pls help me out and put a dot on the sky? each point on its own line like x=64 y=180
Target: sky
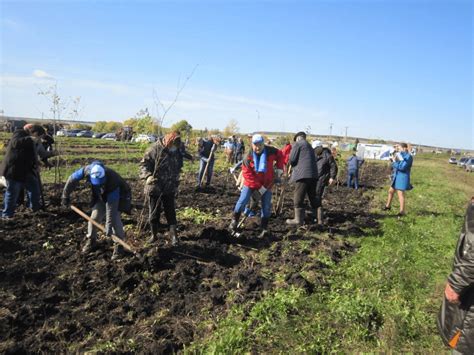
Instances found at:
x=396 y=70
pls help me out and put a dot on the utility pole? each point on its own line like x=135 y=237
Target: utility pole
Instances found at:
x=346 y=132
x=330 y=129
x=258 y=120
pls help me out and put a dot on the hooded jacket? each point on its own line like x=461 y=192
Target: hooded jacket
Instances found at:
x=456 y=321
x=20 y=157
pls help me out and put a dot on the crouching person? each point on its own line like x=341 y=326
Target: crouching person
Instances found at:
x=110 y=195
x=258 y=174
x=160 y=169
x=456 y=317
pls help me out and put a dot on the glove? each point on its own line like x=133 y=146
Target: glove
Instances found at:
x=231 y=170
x=150 y=180
x=149 y=188
x=205 y=160
x=257 y=194
x=66 y=202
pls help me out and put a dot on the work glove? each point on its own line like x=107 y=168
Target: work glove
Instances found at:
x=331 y=181
x=257 y=194
x=232 y=170
x=205 y=160
x=150 y=180
x=66 y=202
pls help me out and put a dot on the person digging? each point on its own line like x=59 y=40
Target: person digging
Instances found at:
x=110 y=195
x=160 y=168
x=258 y=174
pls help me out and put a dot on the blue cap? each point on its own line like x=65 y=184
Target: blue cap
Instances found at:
x=97 y=174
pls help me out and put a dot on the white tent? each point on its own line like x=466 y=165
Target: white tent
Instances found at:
x=374 y=151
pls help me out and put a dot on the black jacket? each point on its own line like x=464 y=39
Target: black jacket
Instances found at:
x=303 y=161
x=20 y=157
x=327 y=167
x=205 y=147
x=456 y=321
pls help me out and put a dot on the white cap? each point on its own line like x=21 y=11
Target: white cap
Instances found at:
x=257 y=138
x=316 y=144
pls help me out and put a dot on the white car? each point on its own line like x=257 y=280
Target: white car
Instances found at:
x=148 y=138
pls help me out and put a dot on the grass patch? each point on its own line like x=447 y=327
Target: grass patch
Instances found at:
x=383 y=298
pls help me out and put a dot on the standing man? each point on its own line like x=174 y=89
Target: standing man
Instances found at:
x=160 y=169
x=110 y=195
x=258 y=174
x=206 y=146
x=353 y=165
x=401 y=169
x=305 y=177
x=20 y=169
x=456 y=317
x=239 y=150
x=327 y=173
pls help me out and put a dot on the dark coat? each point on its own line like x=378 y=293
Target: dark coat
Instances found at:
x=164 y=165
x=205 y=147
x=327 y=167
x=303 y=161
x=114 y=188
x=457 y=320
x=20 y=157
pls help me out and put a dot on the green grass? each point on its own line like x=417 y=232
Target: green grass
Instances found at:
x=383 y=298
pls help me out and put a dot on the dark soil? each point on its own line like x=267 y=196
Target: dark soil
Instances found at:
x=55 y=299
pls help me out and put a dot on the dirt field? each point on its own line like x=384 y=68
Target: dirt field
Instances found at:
x=54 y=299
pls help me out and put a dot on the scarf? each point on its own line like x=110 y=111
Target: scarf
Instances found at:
x=260 y=161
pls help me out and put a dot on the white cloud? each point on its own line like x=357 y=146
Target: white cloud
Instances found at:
x=41 y=74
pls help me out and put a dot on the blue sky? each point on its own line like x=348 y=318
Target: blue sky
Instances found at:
x=398 y=70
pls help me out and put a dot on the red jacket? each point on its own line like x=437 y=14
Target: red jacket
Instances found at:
x=286 y=150
x=255 y=180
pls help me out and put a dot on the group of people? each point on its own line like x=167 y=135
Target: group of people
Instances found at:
x=310 y=167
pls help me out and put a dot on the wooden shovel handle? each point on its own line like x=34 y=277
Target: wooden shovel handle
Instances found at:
x=102 y=228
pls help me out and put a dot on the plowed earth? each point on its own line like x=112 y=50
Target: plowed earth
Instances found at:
x=55 y=299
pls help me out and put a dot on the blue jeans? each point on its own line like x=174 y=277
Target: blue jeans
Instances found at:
x=244 y=199
x=13 y=190
x=202 y=167
x=353 y=177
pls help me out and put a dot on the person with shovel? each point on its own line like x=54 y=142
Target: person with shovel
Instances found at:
x=110 y=195
x=258 y=173
x=206 y=149
x=160 y=168
x=327 y=173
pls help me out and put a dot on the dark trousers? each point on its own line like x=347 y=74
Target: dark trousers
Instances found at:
x=157 y=203
x=320 y=188
x=303 y=188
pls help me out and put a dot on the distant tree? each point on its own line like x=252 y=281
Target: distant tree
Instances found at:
x=182 y=126
x=99 y=126
x=112 y=126
x=82 y=126
x=231 y=129
x=214 y=132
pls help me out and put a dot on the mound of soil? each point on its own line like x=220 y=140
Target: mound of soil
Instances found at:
x=55 y=299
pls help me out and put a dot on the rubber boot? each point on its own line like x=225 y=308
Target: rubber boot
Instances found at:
x=264 y=227
x=118 y=252
x=154 y=233
x=299 y=218
x=235 y=221
x=174 y=237
x=89 y=246
x=319 y=216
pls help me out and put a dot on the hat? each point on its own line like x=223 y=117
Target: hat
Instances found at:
x=257 y=138
x=97 y=174
x=316 y=144
x=299 y=134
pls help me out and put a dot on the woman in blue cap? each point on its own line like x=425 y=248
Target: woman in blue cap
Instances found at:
x=110 y=195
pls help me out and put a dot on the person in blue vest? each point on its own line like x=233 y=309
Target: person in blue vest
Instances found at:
x=353 y=165
x=110 y=195
x=401 y=168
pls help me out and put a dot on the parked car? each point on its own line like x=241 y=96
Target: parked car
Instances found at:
x=452 y=160
x=109 y=136
x=98 y=135
x=469 y=165
x=61 y=133
x=68 y=132
x=85 y=134
x=144 y=138
x=462 y=161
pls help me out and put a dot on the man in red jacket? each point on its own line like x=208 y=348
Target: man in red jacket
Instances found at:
x=258 y=174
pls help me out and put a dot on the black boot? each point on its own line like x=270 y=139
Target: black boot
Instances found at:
x=89 y=246
x=154 y=233
x=174 y=237
x=235 y=221
x=264 y=227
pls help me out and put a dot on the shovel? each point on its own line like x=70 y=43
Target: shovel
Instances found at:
x=102 y=228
